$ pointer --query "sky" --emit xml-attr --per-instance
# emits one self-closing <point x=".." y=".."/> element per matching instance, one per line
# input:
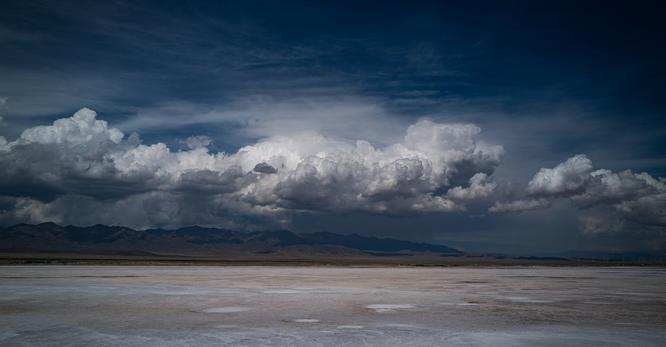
<point x="510" y="127"/>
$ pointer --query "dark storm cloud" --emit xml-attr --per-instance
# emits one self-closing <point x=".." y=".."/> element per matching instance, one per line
<point x="264" y="168"/>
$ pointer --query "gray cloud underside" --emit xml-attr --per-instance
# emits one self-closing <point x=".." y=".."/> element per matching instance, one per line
<point x="79" y="170"/>
<point x="611" y="201"/>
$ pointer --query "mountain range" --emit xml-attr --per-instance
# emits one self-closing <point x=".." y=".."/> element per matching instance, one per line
<point x="196" y="241"/>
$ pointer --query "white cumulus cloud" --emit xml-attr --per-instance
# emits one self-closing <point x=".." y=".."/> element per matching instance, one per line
<point x="50" y="170"/>
<point x="566" y="178"/>
<point x="81" y="128"/>
<point x="612" y="201"/>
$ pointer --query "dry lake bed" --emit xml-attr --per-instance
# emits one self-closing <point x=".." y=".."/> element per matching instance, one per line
<point x="327" y="306"/>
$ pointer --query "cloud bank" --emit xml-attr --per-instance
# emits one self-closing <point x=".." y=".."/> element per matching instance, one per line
<point x="79" y="170"/>
<point x="611" y="201"/>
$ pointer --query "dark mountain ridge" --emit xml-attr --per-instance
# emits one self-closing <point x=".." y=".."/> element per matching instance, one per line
<point x="199" y="241"/>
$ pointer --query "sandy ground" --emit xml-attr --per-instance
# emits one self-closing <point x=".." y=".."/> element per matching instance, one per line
<point x="321" y="306"/>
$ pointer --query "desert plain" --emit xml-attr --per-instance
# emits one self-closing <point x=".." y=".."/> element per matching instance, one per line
<point x="53" y="305"/>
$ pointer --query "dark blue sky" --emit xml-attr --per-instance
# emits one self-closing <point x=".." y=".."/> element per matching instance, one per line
<point x="546" y="81"/>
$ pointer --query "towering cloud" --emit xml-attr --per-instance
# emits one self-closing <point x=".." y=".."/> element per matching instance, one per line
<point x="79" y="167"/>
<point x="611" y="200"/>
